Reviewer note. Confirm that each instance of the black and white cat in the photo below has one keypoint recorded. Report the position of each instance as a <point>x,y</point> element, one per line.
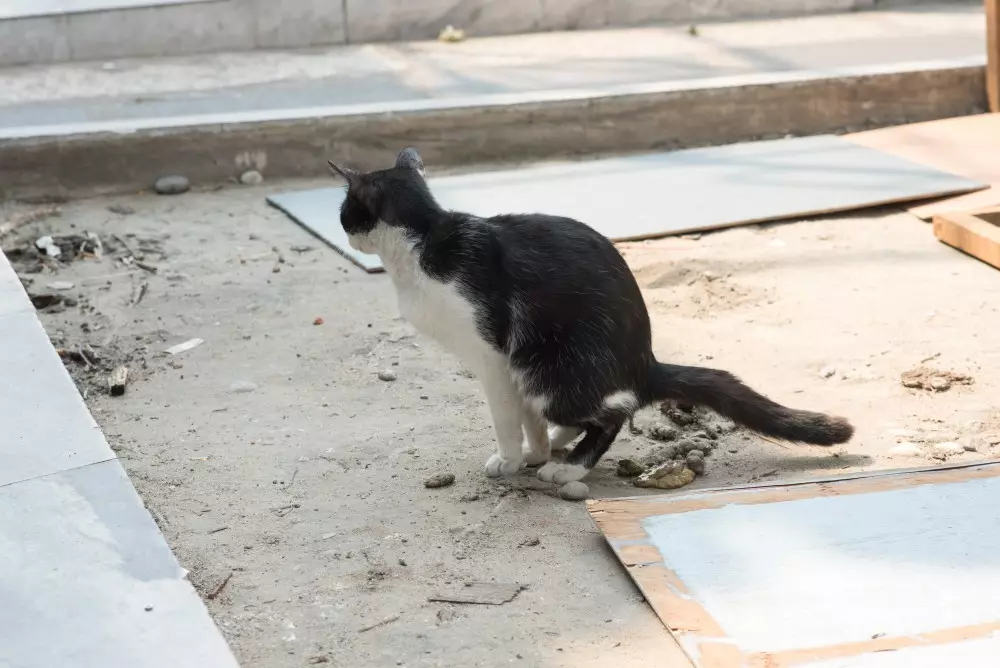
<point>545,312</point>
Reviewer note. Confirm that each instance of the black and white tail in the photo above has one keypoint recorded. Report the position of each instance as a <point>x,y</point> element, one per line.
<point>727,395</point>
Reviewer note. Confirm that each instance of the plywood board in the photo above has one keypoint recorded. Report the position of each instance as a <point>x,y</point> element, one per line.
<point>976,233</point>
<point>967,146</point>
<point>649,196</point>
<point>888,570</point>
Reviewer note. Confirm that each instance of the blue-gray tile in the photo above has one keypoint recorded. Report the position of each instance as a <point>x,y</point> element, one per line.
<point>46,428</point>
<point>88,581</point>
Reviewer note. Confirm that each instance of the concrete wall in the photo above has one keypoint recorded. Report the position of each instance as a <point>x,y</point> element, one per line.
<point>233,25</point>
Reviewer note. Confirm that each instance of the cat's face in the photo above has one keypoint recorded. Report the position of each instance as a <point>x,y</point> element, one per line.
<point>379,198</point>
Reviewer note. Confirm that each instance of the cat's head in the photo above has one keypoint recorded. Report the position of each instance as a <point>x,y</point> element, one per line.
<point>397,197</point>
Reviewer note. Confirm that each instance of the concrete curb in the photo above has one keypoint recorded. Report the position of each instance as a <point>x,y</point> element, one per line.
<point>65,161</point>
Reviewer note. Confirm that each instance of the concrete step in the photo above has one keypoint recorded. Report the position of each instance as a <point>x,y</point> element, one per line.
<point>45,31</point>
<point>485,100</point>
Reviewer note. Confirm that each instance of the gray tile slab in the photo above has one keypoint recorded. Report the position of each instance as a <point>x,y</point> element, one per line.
<point>86,580</point>
<point>162,31</point>
<point>298,24</point>
<point>12,295</point>
<point>319,212</point>
<point>44,425</point>
<point>34,41</point>
<point>656,195</point>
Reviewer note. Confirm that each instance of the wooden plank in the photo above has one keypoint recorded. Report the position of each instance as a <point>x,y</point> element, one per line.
<point>975,233</point>
<point>993,54</point>
<point>967,146</point>
<point>745,577</point>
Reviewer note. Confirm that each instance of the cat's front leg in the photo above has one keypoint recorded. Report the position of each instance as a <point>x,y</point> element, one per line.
<point>505,407</point>
<point>537,448</point>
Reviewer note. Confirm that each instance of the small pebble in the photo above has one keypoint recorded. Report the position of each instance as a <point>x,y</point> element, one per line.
<point>574,491</point>
<point>947,448</point>
<point>171,185</point>
<point>242,387</point>
<point>629,468</point>
<point>251,177</point>
<point>318,321</point>
<point>439,480</point>
<point>388,375</point>
<point>531,542</point>
<point>696,464</point>
<point>828,372</point>
<point>905,449</point>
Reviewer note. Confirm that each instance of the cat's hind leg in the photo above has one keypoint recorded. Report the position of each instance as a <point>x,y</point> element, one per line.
<point>585,455</point>
<point>537,447</point>
<point>505,407</point>
<point>560,437</point>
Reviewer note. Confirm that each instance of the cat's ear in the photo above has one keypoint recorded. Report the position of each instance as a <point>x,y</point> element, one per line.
<point>408,158</point>
<point>346,173</point>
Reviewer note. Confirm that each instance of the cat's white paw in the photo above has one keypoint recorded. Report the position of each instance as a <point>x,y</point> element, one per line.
<point>497,466</point>
<point>532,458</point>
<point>560,473</point>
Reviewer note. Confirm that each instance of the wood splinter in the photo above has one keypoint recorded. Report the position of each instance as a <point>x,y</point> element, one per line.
<point>117,381</point>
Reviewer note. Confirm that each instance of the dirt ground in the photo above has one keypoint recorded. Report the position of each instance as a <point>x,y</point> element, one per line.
<point>289,479</point>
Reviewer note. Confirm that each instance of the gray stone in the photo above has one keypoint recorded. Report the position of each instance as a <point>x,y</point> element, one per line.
<point>388,375</point>
<point>251,177</point>
<point>905,449</point>
<point>440,480</point>
<point>172,185</point>
<point>574,491</point>
<point>242,387</point>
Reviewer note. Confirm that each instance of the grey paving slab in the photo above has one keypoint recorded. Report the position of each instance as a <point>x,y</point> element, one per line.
<point>86,580</point>
<point>661,194</point>
<point>12,296</point>
<point>44,425</point>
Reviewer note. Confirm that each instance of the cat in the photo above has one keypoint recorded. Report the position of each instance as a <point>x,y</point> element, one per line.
<point>547,315</point>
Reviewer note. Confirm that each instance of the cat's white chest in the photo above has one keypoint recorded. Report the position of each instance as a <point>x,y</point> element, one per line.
<point>436,309</point>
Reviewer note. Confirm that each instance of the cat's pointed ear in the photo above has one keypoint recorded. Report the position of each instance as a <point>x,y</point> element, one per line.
<point>409,158</point>
<point>346,173</point>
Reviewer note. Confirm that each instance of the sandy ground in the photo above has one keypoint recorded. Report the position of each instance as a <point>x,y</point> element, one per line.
<point>289,479</point>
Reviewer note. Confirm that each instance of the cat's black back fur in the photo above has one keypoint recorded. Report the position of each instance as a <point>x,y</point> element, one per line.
<point>558,300</point>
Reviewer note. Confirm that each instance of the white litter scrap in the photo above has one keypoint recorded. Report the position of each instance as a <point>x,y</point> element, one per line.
<point>184,347</point>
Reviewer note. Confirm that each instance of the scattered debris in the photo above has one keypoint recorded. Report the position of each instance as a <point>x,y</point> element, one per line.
<point>925,378</point>
<point>387,620</point>
<point>661,432</point>
<point>440,480</point>
<point>251,177</point>
<point>171,185</point>
<point>242,387</point>
<point>184,347</point>
<point>318,321</point>
<point>121,209</point>
<point>669,475</point>
<point>48,245</point>
<point>388,375</point>
<point>946,449</point>
<point>28,217</point>
<point>217,530</point>
<point>827,372</point>
<point>574,491</point>
<point>117,381</point>
<point>61,286</point>
<point>472,496</point>
<point>905,449</point>
<point>318,659</point>
<point>533,541</point>
<point>693,30</point>
<point>45,300</point>
<point>139,293</point>
<point>214,593</point>
<point>451,34</point>
<point>482,593</point>
<point>629,468</point>
<point>302,249</point>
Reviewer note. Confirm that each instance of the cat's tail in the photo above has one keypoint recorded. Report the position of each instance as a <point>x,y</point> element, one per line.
<point>727,395</point>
